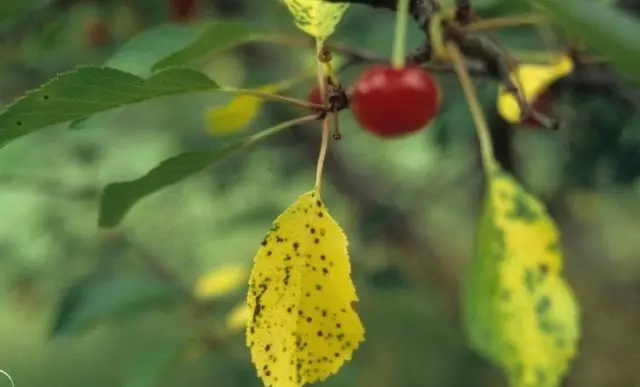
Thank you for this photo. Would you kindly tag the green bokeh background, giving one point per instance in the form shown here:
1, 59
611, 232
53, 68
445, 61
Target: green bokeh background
409, 207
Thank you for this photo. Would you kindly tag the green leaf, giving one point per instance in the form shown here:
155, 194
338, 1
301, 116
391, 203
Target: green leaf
118, 198
603, 27
216, 36
139, 54
154, 363
519, 311
92, 301
90, 90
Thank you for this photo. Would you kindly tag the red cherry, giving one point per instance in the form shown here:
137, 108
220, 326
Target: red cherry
314, 96
390, 102
542, 104
183, 10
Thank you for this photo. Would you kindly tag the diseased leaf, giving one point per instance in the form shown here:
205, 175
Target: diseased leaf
536, 79
519, 311
302, 327
89, 90
215, 37
601, 26
317, 18
93, 301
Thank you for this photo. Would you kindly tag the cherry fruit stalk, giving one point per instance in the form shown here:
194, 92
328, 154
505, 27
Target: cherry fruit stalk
392, 102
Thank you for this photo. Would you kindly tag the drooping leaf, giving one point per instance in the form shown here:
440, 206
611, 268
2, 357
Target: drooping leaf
519, 311
215, 37
220, 282
153, 364
94, 301
303, 327
316, 18
118, 198
535, 80
89, 90
601, 26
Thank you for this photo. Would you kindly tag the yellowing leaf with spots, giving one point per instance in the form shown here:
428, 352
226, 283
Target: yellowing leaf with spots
317, 18
302, 327
534, 80
220, 282
519, 311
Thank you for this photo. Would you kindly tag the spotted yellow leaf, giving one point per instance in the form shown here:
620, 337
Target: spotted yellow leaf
302, 327
315, 17
220, 282
534, 80
519, 311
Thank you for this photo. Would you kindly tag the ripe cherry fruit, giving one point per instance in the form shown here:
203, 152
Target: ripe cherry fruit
391, 102
314, 96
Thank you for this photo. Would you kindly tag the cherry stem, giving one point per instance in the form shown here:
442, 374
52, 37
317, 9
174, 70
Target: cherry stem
482, 129
281, 126
323, 152
271, 96
402, 16
504, 22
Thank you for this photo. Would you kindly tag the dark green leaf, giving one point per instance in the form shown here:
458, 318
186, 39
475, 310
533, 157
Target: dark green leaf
217, 36
90, 90
118, 198
154, 363
603, 27
93, 301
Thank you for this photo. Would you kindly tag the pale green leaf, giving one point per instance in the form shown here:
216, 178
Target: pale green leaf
214, 37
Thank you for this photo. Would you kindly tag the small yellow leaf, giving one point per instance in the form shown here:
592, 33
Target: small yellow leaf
302, 327
535, 78
519, 311
316, 18
237, 318
220, 282
233, 117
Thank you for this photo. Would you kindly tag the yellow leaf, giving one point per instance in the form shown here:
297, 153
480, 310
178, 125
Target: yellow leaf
302, 327
316, 18
238, 317
519, 311
220, 282
233, 117
535, 78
